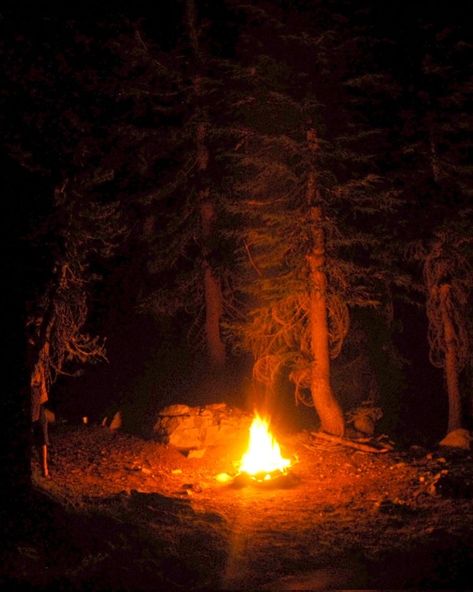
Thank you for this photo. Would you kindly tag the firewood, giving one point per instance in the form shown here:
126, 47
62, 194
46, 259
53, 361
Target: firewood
349, 443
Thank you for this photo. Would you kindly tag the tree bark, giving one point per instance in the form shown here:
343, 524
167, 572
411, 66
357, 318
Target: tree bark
325, 403
213, 295
451, 366
212, 287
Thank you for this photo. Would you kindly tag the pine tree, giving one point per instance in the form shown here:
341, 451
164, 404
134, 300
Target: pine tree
188, 252
421, 95
438, 178
207, 211
87, 231
305, 198
56, 138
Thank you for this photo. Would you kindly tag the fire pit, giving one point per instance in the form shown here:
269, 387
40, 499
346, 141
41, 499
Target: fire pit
263, 465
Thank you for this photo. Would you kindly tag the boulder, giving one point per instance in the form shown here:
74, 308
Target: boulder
459, 438
364, 418
364, 424
176, 410
190, 428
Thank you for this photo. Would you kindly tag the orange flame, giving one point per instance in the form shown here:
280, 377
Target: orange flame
263, 455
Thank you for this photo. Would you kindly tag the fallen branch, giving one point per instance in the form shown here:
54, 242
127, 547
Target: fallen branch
349, 443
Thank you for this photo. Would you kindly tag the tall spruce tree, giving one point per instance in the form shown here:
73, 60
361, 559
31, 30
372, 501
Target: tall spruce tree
306, 198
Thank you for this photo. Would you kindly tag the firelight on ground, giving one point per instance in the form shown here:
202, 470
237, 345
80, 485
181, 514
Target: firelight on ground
263, 456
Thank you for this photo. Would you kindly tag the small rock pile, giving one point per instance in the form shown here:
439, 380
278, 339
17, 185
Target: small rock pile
190, 428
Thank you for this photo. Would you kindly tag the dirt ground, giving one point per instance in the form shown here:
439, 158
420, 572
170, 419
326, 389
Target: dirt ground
123, 513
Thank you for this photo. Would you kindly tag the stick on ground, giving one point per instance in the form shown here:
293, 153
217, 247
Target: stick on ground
349, 443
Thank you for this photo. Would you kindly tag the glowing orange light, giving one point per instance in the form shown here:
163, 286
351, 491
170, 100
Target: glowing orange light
263, 456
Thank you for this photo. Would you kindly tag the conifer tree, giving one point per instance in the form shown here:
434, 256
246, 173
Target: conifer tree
87, 231
188, 253
421, 94
438, 178
447, 272
57, 139
305, 198
207, 211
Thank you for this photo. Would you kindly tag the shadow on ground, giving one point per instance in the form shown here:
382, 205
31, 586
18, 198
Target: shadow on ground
137, 541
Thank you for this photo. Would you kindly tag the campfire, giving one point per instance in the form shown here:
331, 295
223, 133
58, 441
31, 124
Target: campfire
263, 461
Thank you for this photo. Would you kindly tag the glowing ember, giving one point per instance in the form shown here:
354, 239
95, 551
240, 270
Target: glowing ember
263, 457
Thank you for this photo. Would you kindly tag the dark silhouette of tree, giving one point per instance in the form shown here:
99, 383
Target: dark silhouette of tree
15, 472
205, 203
55, 139
188, 252
447, 265
86, 230
420, 93
438, 177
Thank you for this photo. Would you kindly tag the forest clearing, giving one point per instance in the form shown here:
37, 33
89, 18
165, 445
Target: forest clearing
123, 513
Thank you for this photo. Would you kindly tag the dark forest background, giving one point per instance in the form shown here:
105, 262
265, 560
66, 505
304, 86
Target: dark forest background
104, 178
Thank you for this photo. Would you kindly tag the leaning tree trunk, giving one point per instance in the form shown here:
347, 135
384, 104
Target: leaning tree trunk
212, 288
325, 403
451, 365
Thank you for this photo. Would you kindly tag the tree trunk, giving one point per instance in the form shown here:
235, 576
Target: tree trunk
451, 366
213, 294
213, 312
325, 403
212, 288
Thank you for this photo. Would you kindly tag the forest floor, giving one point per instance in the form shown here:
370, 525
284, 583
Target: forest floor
124, 513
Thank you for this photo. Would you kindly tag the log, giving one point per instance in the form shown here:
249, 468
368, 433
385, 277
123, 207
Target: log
349, 443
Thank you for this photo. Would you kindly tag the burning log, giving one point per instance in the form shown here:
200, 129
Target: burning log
263, 463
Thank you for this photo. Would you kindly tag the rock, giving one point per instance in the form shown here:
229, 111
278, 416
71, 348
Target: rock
175, 410
116, 422
364, 424
393, 507
196, 453
364, 418
417, 450
189, 428
459, 438
217, 407
186, 439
